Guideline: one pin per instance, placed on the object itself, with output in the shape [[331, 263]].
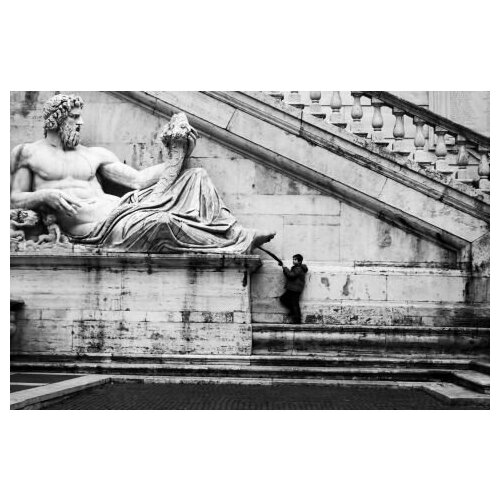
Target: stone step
[[337, 340], [362, 328], [456, 395], [247, 370], [444, 361], [478, 382], [480, 366], [401, 361]]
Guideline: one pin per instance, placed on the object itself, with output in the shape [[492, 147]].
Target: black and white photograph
[[270, 250], [222, 291]]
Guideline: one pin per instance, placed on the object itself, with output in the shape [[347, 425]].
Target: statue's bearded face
[[69, 130]]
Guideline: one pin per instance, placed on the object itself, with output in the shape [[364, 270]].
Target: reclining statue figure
[[172, 209]]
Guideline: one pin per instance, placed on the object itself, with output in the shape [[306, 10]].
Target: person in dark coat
[[295, 281]]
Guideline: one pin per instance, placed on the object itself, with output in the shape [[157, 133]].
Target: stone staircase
[[403, 128], [455, 379], [362, 340], [451, 363]]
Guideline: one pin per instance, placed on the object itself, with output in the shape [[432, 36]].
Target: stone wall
[[132, 305], [363, 270]]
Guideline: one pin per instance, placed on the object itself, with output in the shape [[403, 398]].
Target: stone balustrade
[[404, 128]]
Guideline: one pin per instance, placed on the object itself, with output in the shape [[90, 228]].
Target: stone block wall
[[132, 305], [363, 270]]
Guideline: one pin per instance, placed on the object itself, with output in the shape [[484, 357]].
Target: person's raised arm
[[21, 195], [291, 273]]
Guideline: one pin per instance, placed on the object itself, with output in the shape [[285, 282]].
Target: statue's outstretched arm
[[139, 179], [127, 176]]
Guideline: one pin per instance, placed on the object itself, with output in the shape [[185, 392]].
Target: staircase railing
[[404, 128]]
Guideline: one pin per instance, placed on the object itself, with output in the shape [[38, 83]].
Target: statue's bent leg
[[190, 216]]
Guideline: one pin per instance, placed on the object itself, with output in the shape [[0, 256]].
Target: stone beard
[[69, 134]]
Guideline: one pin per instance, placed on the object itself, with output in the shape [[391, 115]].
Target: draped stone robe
[[180, 213]]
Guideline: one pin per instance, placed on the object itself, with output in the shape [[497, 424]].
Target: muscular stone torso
[[74, 173]]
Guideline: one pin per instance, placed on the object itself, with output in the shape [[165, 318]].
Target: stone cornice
[[140, 261]]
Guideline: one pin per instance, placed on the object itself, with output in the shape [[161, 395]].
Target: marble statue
[[20, 220], [171, 208], [54, 234]]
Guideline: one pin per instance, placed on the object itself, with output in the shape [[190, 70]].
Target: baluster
[[484, 170], [337, 116], [277, 94], [378, 123], [462, 156], [441, 152], [398, 132], [315, 107], [463, 173], [294, 100], [357, 115], [422, 157]]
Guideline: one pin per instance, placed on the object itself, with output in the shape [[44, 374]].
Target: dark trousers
[[291, 301]]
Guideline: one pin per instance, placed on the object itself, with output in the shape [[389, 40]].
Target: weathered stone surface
[[357, 340], [378, 295], [266, 194], [480, 254], [432, 211], [382, 241], [131, 305], [199, 105], [469, 108]]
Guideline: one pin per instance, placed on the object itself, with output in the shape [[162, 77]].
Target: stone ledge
[[61, 363], [382, 330], [368, 340], [30, 398], [217, 261]]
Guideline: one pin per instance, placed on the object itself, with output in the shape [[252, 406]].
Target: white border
[[249, 46]]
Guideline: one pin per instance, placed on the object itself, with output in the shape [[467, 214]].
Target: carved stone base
[[132, 304], [484, 185], [423, 158]]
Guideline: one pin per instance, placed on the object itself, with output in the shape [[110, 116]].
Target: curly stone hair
[[57, 109]]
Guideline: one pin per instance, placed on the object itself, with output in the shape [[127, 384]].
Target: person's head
[[62, 114], [297, 259]]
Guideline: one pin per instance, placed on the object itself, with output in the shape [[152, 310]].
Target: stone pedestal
[[117, 304]]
